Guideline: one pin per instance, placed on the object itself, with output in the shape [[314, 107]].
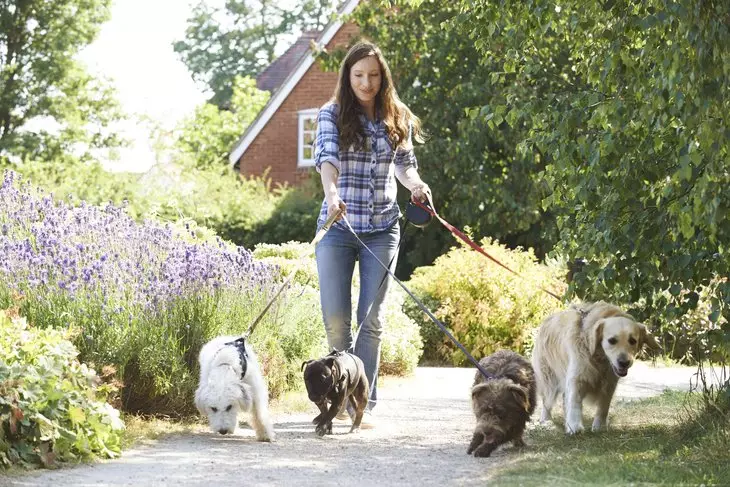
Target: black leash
[[443, 328]]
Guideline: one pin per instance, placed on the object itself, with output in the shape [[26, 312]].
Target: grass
[[666, 440]]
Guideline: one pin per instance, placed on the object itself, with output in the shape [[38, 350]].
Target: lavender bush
[[143, 297]]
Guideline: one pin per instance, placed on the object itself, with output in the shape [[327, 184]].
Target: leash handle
[[327, 225], [473, 245]]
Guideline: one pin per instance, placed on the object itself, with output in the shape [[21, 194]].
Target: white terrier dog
[[231, 382]]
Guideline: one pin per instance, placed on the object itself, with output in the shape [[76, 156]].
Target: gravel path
[[424, 424]]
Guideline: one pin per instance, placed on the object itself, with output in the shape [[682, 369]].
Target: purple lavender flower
[[60, 250]]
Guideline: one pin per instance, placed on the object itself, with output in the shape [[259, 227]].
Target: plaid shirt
[[366, 181]]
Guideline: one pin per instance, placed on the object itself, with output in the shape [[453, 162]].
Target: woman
[[356, 133]]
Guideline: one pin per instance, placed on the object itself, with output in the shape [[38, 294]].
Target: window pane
[[308, 138], [307, 152], [310, 124]]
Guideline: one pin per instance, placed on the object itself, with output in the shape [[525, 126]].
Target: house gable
[[271, 78], [271, 142]]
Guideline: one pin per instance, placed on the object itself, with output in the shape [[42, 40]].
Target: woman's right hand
[[333, 203]]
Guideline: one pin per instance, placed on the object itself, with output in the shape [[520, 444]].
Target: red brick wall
[[275, 147]]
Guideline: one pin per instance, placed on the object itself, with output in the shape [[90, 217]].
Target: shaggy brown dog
[[581, 353], [504, 404]]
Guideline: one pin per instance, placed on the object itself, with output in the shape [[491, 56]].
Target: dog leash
[[430, 209], [423, 307], [319, 236]]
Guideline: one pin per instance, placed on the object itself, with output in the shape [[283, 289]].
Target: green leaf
[[76, 415], [714, 316]]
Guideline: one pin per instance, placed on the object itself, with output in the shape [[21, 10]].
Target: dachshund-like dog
[[334, 379]]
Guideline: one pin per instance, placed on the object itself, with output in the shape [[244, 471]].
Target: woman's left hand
[[421, 192]]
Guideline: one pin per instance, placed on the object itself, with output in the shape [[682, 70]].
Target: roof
[[276, 73], [288, 84]]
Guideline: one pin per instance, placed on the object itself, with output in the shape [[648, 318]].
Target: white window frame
[[304, 115]]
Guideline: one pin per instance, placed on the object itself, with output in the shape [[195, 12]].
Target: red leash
[[471, 243]]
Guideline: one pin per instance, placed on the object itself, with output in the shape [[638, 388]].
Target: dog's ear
[[246, 395], [332, 364], [199, 401], [595, 335], [648, 339], [478, 389], [337, 376], [305, 364], [520, 394]]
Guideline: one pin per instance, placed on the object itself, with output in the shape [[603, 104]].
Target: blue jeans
[[336, 254]]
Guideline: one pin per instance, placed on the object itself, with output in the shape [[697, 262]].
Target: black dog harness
[[240, 344], [350, 356]]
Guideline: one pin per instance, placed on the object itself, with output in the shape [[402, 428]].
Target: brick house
[[280, 138]]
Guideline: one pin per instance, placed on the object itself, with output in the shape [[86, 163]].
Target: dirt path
[[424, 424]]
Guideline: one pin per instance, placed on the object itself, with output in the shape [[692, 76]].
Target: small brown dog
[[502, 405]]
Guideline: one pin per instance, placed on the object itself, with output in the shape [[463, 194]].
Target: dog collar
[[240, 344]]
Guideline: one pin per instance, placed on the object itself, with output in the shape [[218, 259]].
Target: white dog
[[582, 352], [231, 382]]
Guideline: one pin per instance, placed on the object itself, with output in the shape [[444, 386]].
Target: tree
[[627, 102], [241, 39], [476, 175], [208, 135], [50, 108]]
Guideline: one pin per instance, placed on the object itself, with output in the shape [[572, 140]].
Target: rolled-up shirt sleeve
[[404, 155], [327, 139]]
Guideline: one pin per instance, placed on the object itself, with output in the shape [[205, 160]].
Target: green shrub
[[220, 200], [688, 329], [86, 182], [289, 256], [401, 342], [294, 216], [51, 406], [485, 307]]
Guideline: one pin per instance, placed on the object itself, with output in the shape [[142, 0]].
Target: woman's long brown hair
[[396, 116]]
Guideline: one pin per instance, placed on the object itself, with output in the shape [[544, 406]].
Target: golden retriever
[[582, 352]]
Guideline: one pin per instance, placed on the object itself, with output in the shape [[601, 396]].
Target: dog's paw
[[323, 429], [266, 437], [518, 443], [573, 429], [483, 451]]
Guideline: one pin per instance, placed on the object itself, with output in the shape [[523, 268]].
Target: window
[[307, 128]]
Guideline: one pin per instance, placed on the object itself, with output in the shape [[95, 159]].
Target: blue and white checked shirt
[[366, 181]]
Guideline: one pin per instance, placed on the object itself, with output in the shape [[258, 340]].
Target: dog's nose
[[624, 363], [223, 431]]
